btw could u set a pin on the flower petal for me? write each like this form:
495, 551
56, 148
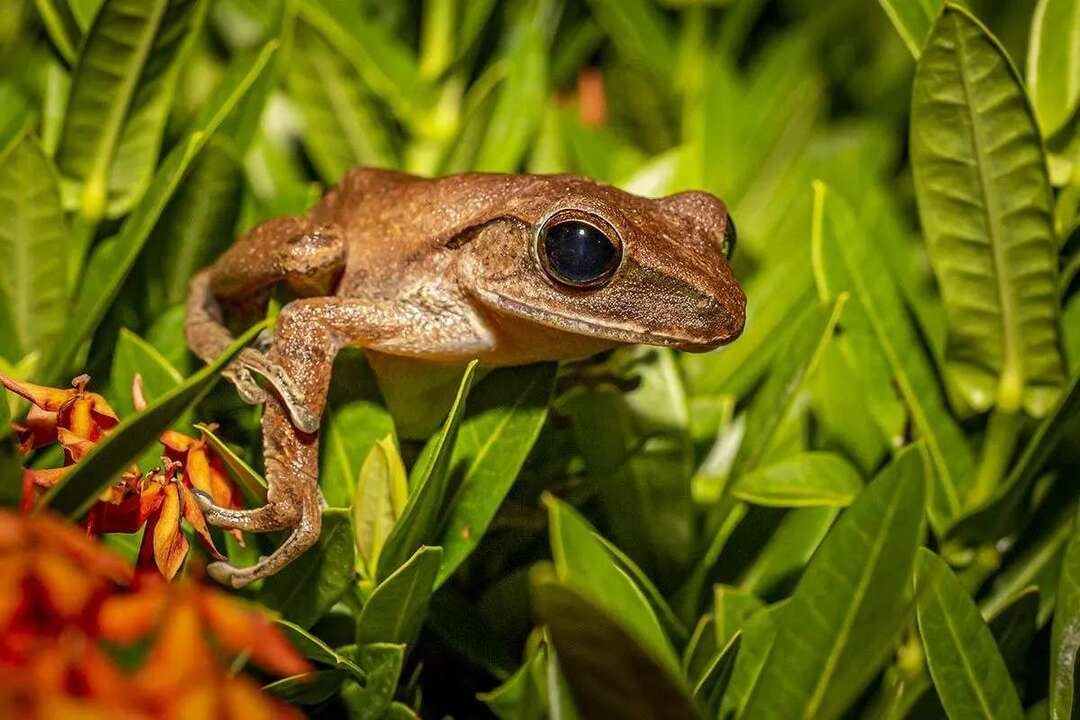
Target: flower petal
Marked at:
124, 619
46, 398
194, 515
242, 629
36, 430
170, 545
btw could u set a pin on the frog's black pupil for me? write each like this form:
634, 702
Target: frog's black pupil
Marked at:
577, 252
729, 237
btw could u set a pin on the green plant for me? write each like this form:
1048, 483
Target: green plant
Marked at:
862, 508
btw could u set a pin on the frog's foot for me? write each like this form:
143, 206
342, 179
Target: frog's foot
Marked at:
269, 517
251, 360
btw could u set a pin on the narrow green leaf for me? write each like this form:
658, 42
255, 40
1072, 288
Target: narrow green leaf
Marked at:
381, 493
1065, 635
810, 479
427, 494
732, 607
968, 671
315, 649
709, 691
381, 663
74, 495
398, 606
113, 260
912, 20
306, 589
1053, 63
522, 696
505, 416
251, 483
582, 562
672, 625
758, 637
850, 604
610, 674
844, 259
985, 205
33, 251
311, 688
10, 462
788, 549
120, 94
62, 27
639, 31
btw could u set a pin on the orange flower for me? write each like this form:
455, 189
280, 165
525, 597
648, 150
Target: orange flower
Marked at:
84, 414
63, 600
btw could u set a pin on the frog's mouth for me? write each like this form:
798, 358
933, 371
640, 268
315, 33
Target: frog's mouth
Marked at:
626, 334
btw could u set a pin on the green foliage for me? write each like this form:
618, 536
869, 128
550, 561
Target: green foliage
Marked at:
861, 508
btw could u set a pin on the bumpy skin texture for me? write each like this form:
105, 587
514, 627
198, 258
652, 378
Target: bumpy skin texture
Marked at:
444, 270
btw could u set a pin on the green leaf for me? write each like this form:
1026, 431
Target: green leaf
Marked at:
844, 259
732, 607
427, 493
505, 416
80, 488
311, 688
120, 95
381, 492
582, 563
381, 663
62, 27
397, 607
610, 674
810, 479
969, 673
251, 483
850, 604
1065, 635
788, 549
521, 696
912, 20
33, 251
672, 625
639, 30
112, 261
315, 649
985, 205
342, 129
709, 691
134, 356
307, 588
1053, 63
10, 464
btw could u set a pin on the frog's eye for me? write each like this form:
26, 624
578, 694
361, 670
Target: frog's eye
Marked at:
576, 251
729, 237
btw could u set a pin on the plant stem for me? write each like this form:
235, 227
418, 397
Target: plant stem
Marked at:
1002, 433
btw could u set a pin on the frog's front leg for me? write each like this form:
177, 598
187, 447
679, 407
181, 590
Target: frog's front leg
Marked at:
307, 337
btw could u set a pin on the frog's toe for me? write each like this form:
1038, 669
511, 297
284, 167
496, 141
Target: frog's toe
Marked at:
302, 418
227, 574
245, 384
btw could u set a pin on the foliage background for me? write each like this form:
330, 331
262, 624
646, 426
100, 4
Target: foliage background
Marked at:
715, 476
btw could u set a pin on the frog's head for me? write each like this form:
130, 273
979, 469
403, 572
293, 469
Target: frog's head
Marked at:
593, 261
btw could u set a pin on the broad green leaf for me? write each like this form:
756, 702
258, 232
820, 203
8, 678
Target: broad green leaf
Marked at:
311, 688
521, 697
120, 95
381, 663
732, 607
398, 606
381, 492
672, 625
428, 488
307, 588
354, 420
315, 649
811, 479
845, 259
758, 636
251, 483
112, 261
985, 205
1065, 637
788, 549
522, 94
196, 226
779, 397
33, 251
610, 674
10, 465
912, 20
639, 30
1002, 512
134, 356
505, 416
968, 671
850, 604
80, 488
1053, 63
63, 28
709, 691
342, 129
16, 115
582, 563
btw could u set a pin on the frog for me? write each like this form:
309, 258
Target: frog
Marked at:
426, 275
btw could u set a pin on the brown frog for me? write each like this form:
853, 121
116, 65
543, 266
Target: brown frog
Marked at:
428, 274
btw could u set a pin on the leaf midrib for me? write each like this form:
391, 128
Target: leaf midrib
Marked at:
955, 637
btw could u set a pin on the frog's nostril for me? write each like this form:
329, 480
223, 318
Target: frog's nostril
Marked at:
729, 236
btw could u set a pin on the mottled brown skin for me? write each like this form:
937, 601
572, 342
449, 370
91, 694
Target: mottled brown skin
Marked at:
443, 271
